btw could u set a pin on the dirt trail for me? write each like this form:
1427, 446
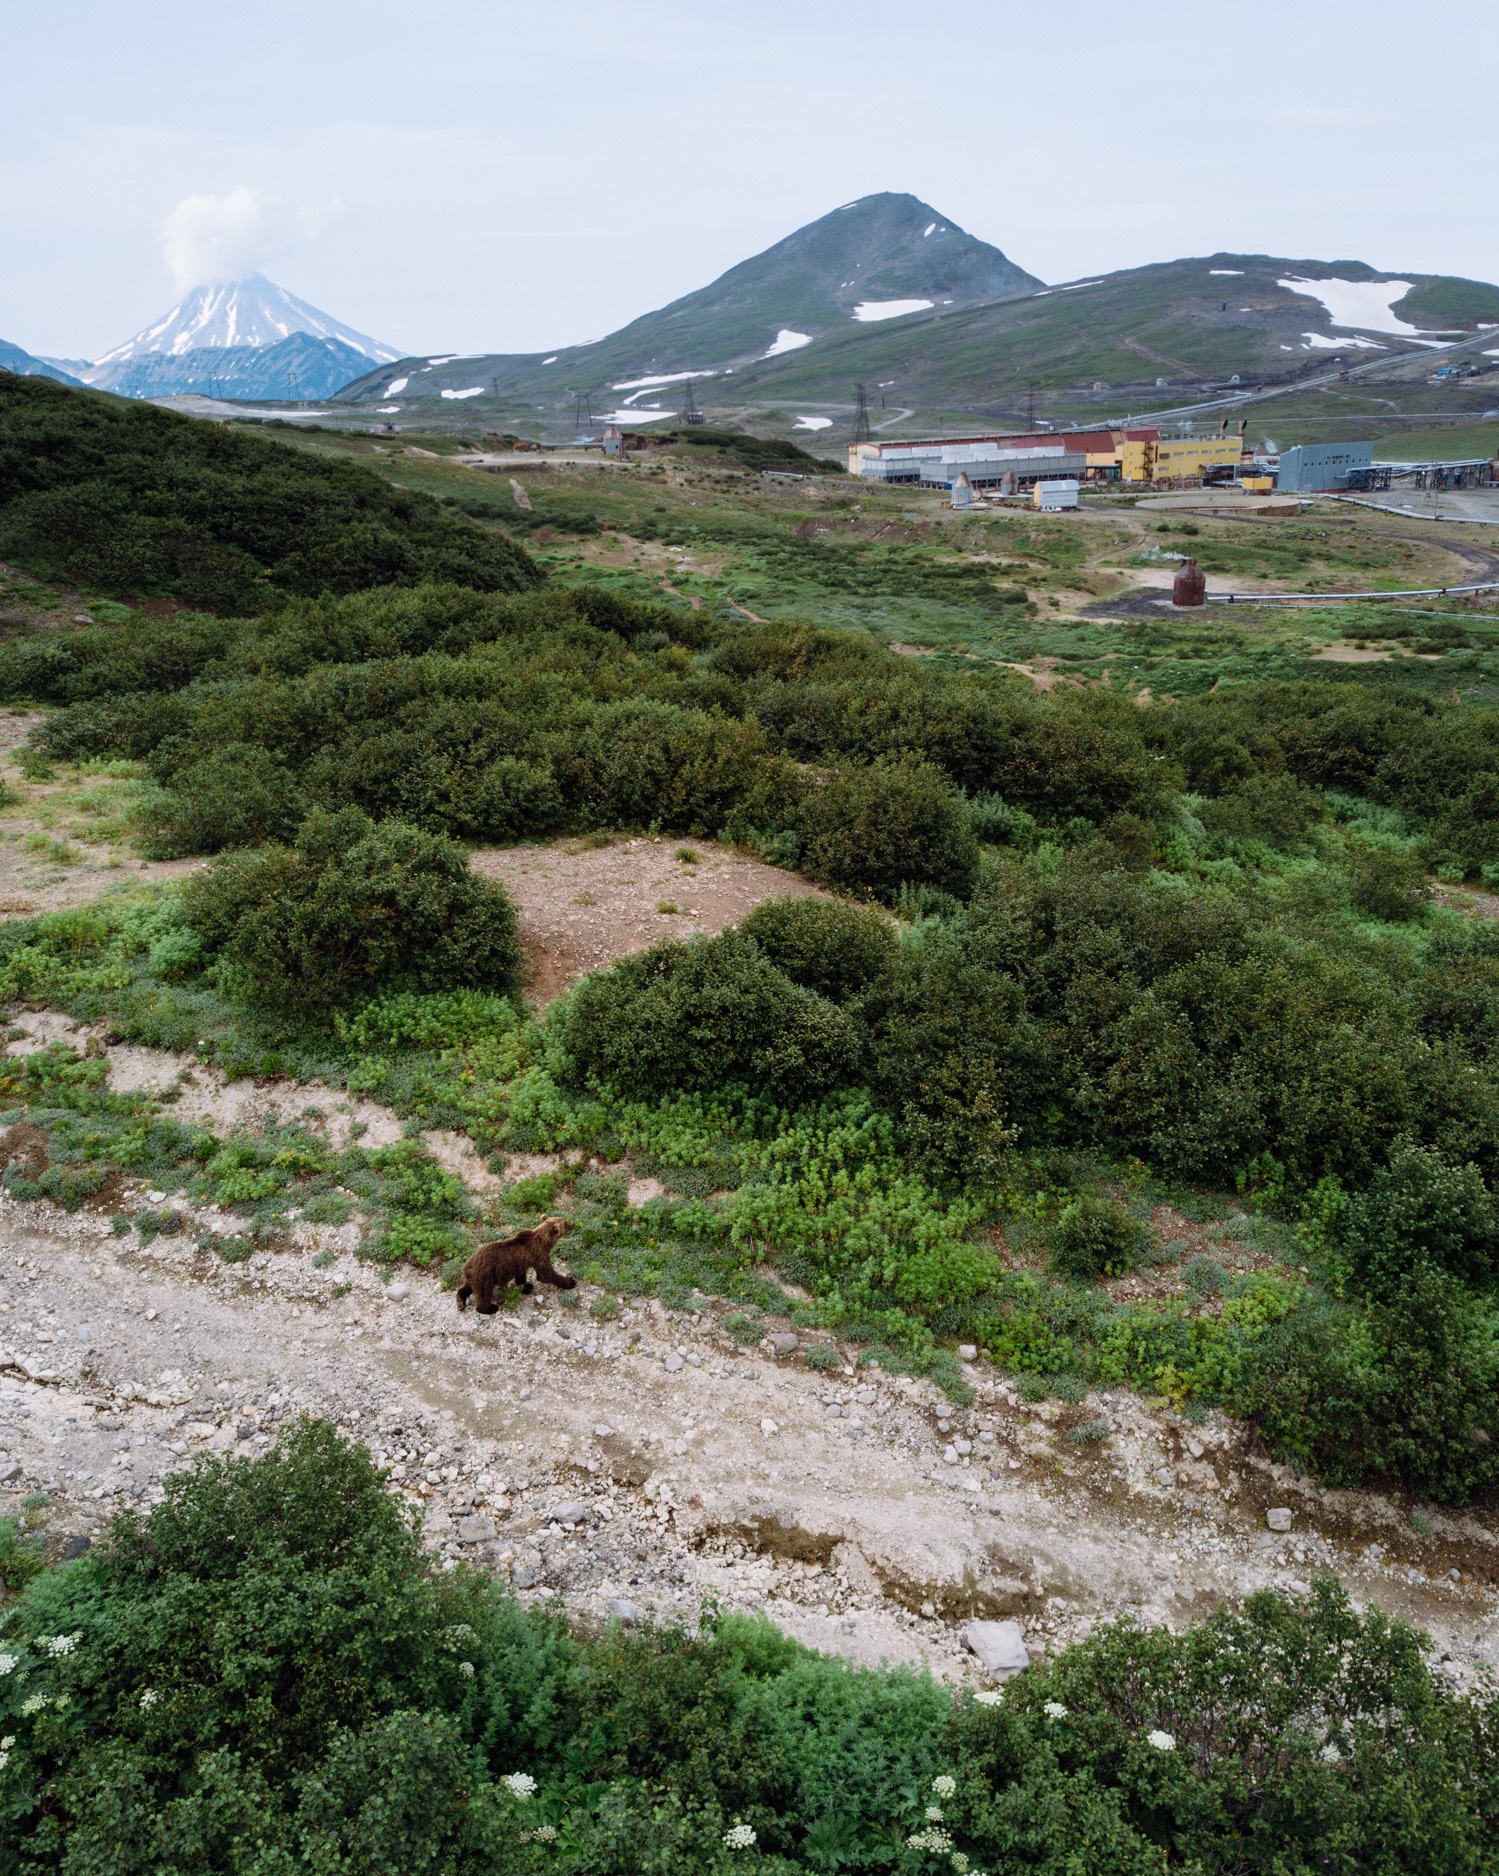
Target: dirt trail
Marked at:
646, 1460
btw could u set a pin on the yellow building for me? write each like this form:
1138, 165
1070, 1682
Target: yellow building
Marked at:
1177, 459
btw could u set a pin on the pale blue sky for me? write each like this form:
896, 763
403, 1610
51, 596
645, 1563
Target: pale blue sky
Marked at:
480, 174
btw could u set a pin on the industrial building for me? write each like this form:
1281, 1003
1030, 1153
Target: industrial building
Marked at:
1323, 468
1012, 461
1177, 458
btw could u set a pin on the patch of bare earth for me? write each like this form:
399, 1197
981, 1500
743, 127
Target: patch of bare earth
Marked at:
582, 906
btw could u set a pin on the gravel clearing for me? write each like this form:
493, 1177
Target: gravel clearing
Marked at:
644, 1463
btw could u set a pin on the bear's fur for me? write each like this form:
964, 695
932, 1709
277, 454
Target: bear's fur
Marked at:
510, 1260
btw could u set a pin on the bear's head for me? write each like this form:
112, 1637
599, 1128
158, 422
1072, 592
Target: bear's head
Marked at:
550, 1229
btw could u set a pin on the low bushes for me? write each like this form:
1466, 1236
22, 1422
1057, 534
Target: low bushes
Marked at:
354, 907
266, 1674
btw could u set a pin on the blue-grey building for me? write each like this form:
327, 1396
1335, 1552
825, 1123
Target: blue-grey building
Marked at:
1321, 468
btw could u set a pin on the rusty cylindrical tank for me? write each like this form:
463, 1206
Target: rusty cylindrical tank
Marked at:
1189, 588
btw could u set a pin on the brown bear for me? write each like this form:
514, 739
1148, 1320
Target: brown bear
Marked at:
493, 1266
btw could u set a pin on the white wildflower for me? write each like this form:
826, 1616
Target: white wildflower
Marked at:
149, 1697
544, 1833
61, 1644
1332, 1753
521, 1784
4, 1759
1163, 1742
929, 1839
988, 1698
1054, 1710
944, 1785
739, 1837
8, 1741
9, 1663
959, 1862
933, 1814
466, 1669
34, 1704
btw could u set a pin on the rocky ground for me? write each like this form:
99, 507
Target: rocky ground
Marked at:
643, 1462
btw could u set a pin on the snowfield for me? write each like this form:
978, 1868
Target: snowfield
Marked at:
788, 341
669, 377
1366, 304
814, 423
474, 390
869, 310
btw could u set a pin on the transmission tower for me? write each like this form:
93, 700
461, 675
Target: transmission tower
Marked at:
689, 413
862, 431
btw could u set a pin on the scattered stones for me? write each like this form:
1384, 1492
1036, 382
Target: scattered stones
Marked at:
397, 1292
1278, 1518
1163, 1475
785, 1343
620, 1609
967, 1352
1000, 1646
475, 1530
603, 1432
769, 1428
672, 1363
574, 1511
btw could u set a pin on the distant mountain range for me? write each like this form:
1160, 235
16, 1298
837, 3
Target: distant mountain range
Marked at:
244, 339
12, 358
297, 369
877, 259
889, 293
886, 292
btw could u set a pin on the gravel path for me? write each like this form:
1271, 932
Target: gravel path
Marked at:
643, 1462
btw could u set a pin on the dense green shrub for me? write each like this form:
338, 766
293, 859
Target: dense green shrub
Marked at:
1387, 884
891, 824
240, 796
1405, 1391
1420, 1212
843, 952
1096, 1237
130, 499
355, 906
709, 1013
267, 1674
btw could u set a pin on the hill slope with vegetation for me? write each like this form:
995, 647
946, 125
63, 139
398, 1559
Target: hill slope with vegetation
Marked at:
137, 502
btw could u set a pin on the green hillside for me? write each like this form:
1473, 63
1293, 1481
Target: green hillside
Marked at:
881, 249
1186, 321
127, 499
1169, 327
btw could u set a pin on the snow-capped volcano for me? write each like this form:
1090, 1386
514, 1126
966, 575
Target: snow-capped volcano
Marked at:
249, 312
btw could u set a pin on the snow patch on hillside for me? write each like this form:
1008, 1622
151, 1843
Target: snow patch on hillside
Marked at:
814, 423
1320, 342
869, 310
476, 390
1367, 304
652, 413
788, 341
667, 377
1235, 273
396, 386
